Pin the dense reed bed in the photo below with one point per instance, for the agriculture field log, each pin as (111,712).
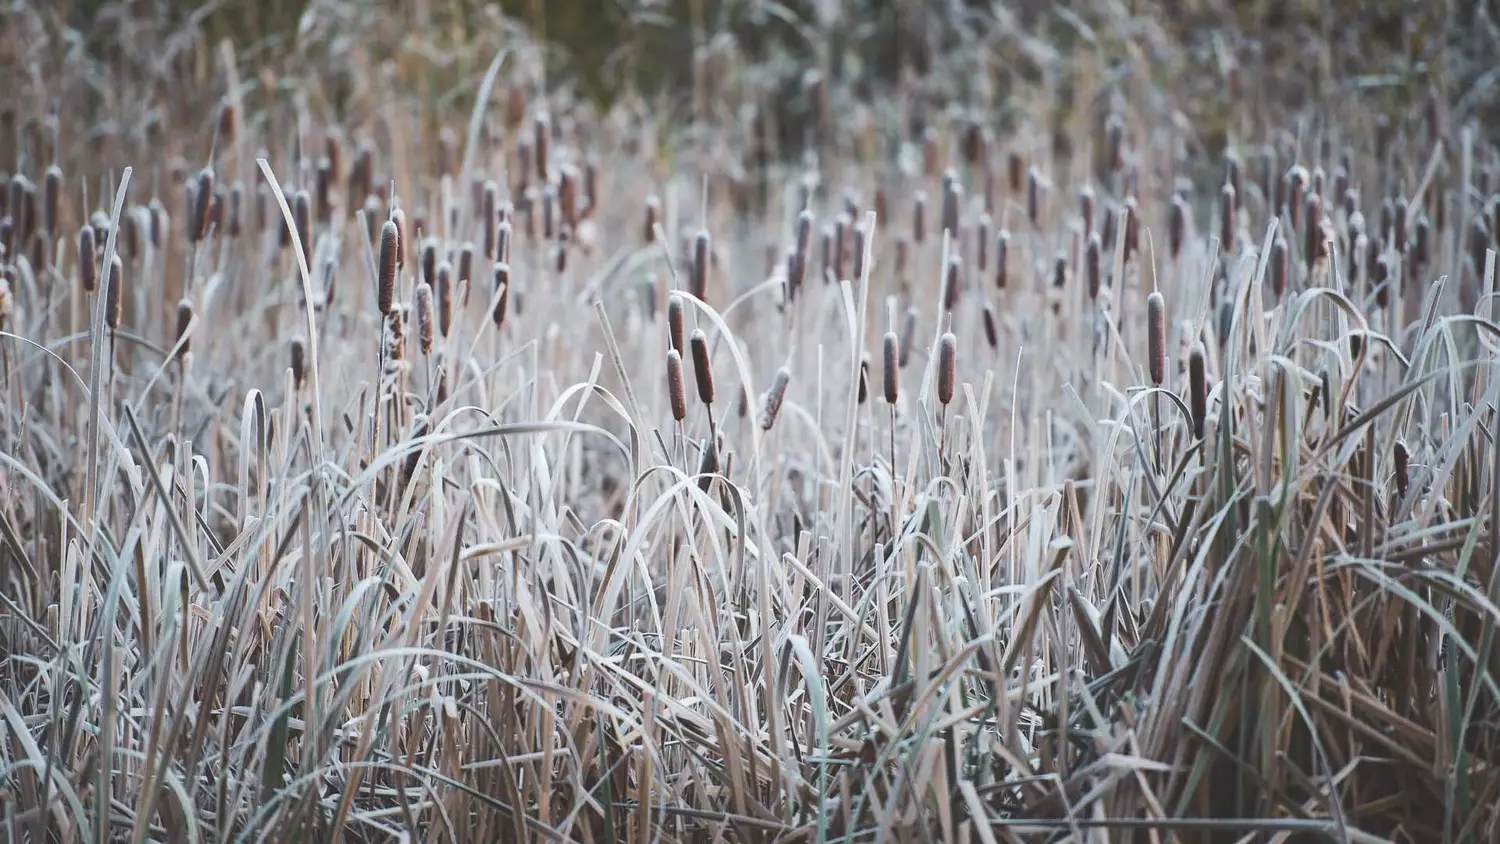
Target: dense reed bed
(385,462)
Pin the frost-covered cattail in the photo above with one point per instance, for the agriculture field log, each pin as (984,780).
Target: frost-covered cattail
(1015,170)
(797,272)
(299,364)
(1313,248)
(488,207)
(1034,197)
(1176,225)
(1279,266)
(919,217)
(429,261)
(323,191)
(991,330)
(653,217)
(775,396)
(864,381)
(386,276)
(908,334)
(442,294)
(702,255)
(502,293)
(52,200)
(858,252)
(88,268)
(703,371)
(302,218)
(890,357)
(542,140)
(676,391)
(947,367)
(1421,241)
(1092,262)
(1228,228)
(1156,337)
(398,216)
(1403,476)
(1382,279)
(675,323)
(1132,227)
(952,199)
(184,321)
(465,271)
(982,244)
(952,282)
(114,293)
(422,304)
(1114,143)
(235,224)
(1198,390)
(1002,258)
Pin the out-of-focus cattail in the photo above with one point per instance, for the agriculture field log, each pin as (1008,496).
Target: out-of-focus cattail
(701,257)
(442,294)
(542,139)
(52,200)
(465,271)
(403,239)
(708,464)
(908,334)
(1002,258)
(1198,390)
(1114,143)
(502,289)
(1132,227)
(302,217)
(991,330)
(1176,225)
(653,216)
(675,323)
(1403,460)
(1156,337)
(1421,241)
(567,194)
(828,257)
(446,151)
(114,293)
(775,396)
(423,306)
(890,356)
(549,212)
(184,320)
(1034,195)
(1312,248)
(952,282)
(1015,170)
(703,372)
(864,381)
(1279,266)
(88,258)
(982,244)
(1093,259)
(362,171)
(386,277)
(947,367)
(1086,203)
(7,238)
(503,237)
(1479,242)
(798,270)
(857,250)
(1398,222)
(30,213)
(159,223)
(932,159)
(299,364)
(952,198)
(6,300)
(919,217)
(1296,195)
(1232,176)
(429,261)
(488,207)
(1228,227)
(235,222)
(15,197)
(676,391)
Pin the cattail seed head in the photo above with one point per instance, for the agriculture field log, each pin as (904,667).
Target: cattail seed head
(502,293)
(465,270)
(1313,248)
(1015,168)
(775,396)
(982,244)
(1033,195)
(1002,258)
(1403,459)
(1421,241)
(1156,337)
(52,200)
(1086,203)
(200,207)
(1232,176)
(653,216)
(236,223)
(1060,270)
(675,323)
(991,330)
(1093,259)
(88,267)
(708,464)
(702,369)
(890,357)
(1382,279)
(429,261)
(184,320)
(857,250)
(114,293)
(1279,266)
(1198,390)
(442,294)
(864,381)
(299,364)
(919,217)
(908,334)
(323,190)
(952,282)
(1176,225)
(1228,227)
(1132,227)
(386,277)
(1114,143)
(947,367)
(701,258)
(952,199)
(302,218)
(423,306)
(676,392)
(542,139)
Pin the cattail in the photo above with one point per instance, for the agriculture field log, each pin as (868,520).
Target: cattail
(952,279)
(502,241)
(804,244)
(160,223)
(429,261)
(1479,242)
(114,293)
(952,198)
(1176,225)
(675,391)
(1279,266)
(931,154)
(372,214)
(423,307)
(199,212)
(1198,390)
(653,214)
(567,194)
(465,270)
(7,238)
(442,292)
(302,217)
(542,129)
(774,398)
(15,197)
(702,371)
(549,212)
(947,367)
(701,255)
(675,323)
(1033,195)
(30,215)
(6,302)
(1114,143)
(330,279)
(1132,227)
(445,151)
(864,381)
(386,279)
(1296,184)
(489,202)
(1313,249)
(41,252)
(1227,224)
(1402,472)
(1156,336)
(919,217)
(1060,270)
(890,356)
(184,319)
(88,270)
(52,200)
(299,364)
(1002,258)
(398,216)
(502,291)
(1232,176)
(1092,261)
(1382,280)
(858,251)
(991,331)
(1015,168)
(235,222)
(908,334)
(982,244)
(1421,241)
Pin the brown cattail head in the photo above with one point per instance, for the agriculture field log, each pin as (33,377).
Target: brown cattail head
(702,369)
(114,293)
(442,294)
(131,241)
(52,200)
(1002,258)
(1034,195)
(429,261)
(235,222)
(1232,176)
(857,251)
(398,216)
(890,356)
(1015,170)
(1403,460)
(675,323)
(991,330)
(1382,279)
(701,258)
(919,217)
(41,251)
(1313,249)
(864,380)
(423,305)
(1114,143)
(947,367)
(504,234)
(774,397)
(542,138)
(502,293)
(908,334)
(465,270)
(1228,227)
(549,212)
(797,269)
(1398,222)
(184,320)
(952,282)
(1060,270)
(676,392)
(1093,259)
(1279,266)
(323,190)
(302,218)
(1198,390)
(982,244)
(88,258)
(567,194)
(7,238)
(1156,336)
(1421,241)
(385,286)
(299,364)
(1132,227)
(1176,225)
(1296,195)
(953,193)
(653,217)
(201,210)
(362,171)
(160,223)
(488,207)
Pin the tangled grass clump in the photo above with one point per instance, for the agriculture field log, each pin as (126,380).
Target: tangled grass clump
(497,466)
